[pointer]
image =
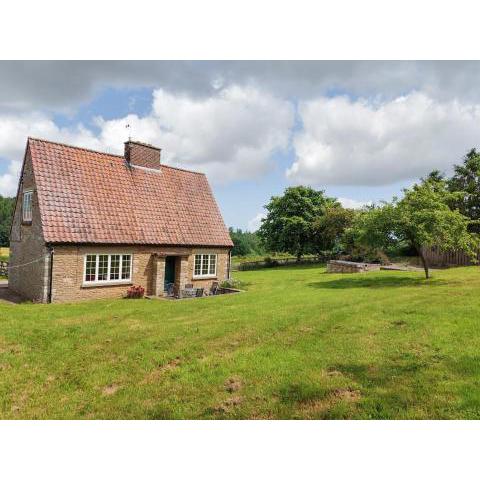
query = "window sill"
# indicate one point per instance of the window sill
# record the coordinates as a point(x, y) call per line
point(106, 284)
point(26, 222)
point(204, 277)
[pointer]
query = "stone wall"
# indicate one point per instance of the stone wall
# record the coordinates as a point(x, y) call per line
point(342, 266)
point(148, 269)
point(29, 257)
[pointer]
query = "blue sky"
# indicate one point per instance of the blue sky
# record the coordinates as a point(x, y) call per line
point(359, 130)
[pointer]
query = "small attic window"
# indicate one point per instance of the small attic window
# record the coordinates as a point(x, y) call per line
point(27, 206)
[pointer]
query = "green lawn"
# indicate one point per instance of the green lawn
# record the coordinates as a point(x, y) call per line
point(299, 344)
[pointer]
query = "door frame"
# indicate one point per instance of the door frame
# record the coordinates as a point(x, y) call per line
point(172, 260)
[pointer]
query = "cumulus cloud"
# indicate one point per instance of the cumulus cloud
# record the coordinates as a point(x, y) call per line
point(230, 135)
point(351, 203)
point(9, 180)
point(63, 85)
point(346, 142)
point(14, 130)
point(254, 223)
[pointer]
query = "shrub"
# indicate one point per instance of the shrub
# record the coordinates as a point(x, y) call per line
point(232, 284)
point(135, 292)
point(270, 262)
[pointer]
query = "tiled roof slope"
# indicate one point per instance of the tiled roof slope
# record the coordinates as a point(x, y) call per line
point(92, 197)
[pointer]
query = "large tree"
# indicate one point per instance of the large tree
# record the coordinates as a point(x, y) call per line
point(423, 218)
point(466, 181)
point(288, 226)
point(329, 227)
point(6, 211)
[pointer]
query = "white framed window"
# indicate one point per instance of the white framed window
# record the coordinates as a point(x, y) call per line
point(205, 265)
point(100, 268)
point(27, 206)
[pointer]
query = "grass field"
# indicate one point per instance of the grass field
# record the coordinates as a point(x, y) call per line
point(299, 343)
point(4, 253)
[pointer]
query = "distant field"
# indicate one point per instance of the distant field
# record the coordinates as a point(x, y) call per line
point(299, 343)
point(257, 258)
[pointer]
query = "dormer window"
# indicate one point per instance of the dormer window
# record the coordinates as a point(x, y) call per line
point(27, 206)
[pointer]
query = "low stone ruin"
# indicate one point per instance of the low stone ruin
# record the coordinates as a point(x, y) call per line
point(343, 266)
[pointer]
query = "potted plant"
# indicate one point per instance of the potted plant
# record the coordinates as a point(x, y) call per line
point(135, 291)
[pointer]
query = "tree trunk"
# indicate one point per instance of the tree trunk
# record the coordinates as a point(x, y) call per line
point(424, 261)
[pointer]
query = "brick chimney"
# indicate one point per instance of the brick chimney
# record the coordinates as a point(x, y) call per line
point(142, 154)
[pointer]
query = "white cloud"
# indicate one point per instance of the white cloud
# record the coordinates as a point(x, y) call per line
point(9, 180)
point(350, 203)
point(361, 142)
point(230, 136)
point(63, 85)
point(254, 224)
point(14, 130)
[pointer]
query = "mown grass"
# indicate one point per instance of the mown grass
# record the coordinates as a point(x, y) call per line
point(299, 343)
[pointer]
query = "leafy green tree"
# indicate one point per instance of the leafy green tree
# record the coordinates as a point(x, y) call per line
point(436, 179)
point(288, 226)
point(466, 179)
point(7, 205)
point(245, 243)
point(330, 226)
point(422, 218)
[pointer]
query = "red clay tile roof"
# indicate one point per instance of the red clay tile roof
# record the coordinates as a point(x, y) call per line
point(91, 197)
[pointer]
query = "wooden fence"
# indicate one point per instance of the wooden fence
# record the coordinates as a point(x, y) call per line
point(439, 258)
point(3, 268)
point(278, 262)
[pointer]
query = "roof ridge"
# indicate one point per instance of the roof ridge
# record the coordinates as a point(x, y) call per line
point(74, 146)
point(163, 165)
point(110, 154)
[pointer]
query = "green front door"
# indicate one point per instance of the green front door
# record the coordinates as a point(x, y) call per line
point(169, 271)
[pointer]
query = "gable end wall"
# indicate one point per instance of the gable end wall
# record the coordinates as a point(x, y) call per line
point(27, 246)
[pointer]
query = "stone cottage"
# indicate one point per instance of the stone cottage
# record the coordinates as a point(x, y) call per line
point(89, 224)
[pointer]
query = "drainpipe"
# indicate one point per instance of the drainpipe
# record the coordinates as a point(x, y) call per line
point(229, 268)
point(50, 275)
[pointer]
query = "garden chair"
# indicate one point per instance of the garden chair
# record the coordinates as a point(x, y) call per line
point(214, 288)
point(199, 292)
point(189, 291)
point(170, 289)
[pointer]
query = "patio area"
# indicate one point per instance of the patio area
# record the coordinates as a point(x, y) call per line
point(190, 292)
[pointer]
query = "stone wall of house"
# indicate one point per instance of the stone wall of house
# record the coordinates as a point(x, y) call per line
point(222, 267)
point(147, 270)
point(29, 257)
